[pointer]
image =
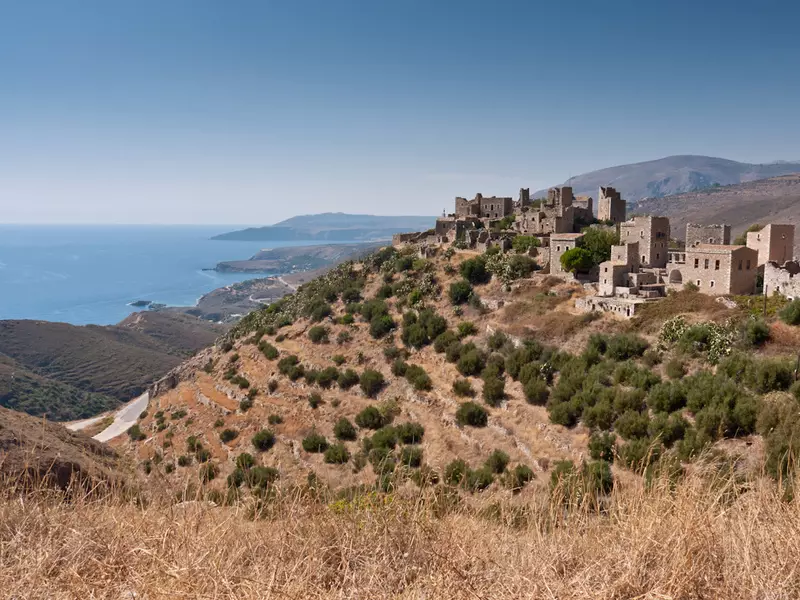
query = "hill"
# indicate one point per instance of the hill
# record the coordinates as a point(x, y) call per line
point(774, 200)
point(70, 372)
point(673, 175)
point(296, 258)
point(332, 227)
point(34, 451)
point(387, 371)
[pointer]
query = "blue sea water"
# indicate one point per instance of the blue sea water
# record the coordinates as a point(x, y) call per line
point(89, 274)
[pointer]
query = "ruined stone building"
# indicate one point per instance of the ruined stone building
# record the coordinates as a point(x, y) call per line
point(707, 234)
point(782, 279)
point(558, 213)
point(484, 208)
point(773, 243)
point(652, 233)
point(611, 206)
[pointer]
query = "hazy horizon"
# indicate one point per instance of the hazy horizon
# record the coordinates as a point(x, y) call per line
point(195, 112)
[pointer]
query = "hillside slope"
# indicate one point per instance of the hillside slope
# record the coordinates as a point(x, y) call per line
point(71, 372)
point(775, 200)
point(673, 175)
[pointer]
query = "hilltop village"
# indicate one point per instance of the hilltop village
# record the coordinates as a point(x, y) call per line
point(644, 264)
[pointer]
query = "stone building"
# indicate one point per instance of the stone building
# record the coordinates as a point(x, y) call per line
point(783, 280)
point(611, 206)
point(484, 208)
point(614, 273)
point(707, 234)
point(715, 269)
point(559, 244)
point(560, 212)
point(773, 243)
point(652, 233)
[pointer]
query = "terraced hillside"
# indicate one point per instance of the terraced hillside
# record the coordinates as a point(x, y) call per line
point(474, 371)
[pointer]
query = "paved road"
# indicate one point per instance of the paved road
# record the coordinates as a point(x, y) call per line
point(124, 419)
point(287, 284)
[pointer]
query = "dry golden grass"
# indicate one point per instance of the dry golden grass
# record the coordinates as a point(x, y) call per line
point(703, 539)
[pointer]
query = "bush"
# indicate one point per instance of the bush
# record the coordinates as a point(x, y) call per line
point(318, 334)
point(625, 346)
point(601, 446)
point(519, 476)
point(263, 440)
point(347, 379)
point(471, 363)
point(245, 461)
point(327, 377)
point(632, 425)
point(494, 390)
point(314, 400)
point(208, 472)
point(228, 435)
point(370, 418)
point(460, 292)
point(337, 454)
point(418, 378)
point(497, 461)
point(380, 326)
point(136, 433)
point(343, 337)
point(411, 457)
point(444, 341)
point(246, 404)
point(667, 429)
point(314, 442)
point(338, 360)
point(790, 314)
point(756, 332)
point(410, 433)
point(275, 419)
point(272, 385)
point(372, 382)
point(463, 388)
point(385, 437)
point(455, 472)
point(184, 461)
point(675, 369)
point(260, 477)
point(536, 392)
point(666, 397)
point(466, 329)
point(344, 430)
point(474, 271)
point(472, 414)
point(576, 260)
point(268, 350)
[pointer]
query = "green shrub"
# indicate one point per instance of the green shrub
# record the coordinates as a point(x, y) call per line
point(318, 334)
point(411, 457)
point(455, 472)
point(372, 382)
point(463, 388)
point(494, 390)
point(263, 440)
point(338, 360)
point(228, 435)
point(576, 260)
point(632, 425)
point(184, 461)
point(245, 405)
point(260, 477)
point(497, 461)
point(219, 423)
point(471, 363)
point(343, 337)
point(666, 397)
point(675, 369)
point(639, 454)
point(337, 454)
point(444, 340)
point(466, 329)
point(418, 378)
point(624, 346)
point(274, 419)
point(381, 325)
point(370, 418)
point(178, 414)
point(420, 329)
point(344, 430)
point(272, 386)
point(668, 429)
point(790, 314)
point(245, 461)
point(208, 472)
point(770, 375)
point(602, 445)
point(136, 434)
point(382, 460)
point(202, 455)
point(472, 414)
point(314, 442)
point(193, 443)
point(518, 477)
point(347, 379)
point(474, 271)
point(385, 437)
point(410, 433)
point(314, 400)
point(756, 332)
point(536, 392)
point(268, 350)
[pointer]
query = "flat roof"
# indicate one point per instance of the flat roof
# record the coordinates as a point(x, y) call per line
point(725, 247)
point(566, 236)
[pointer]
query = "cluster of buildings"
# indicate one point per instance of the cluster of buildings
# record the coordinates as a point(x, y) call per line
point(647, 262)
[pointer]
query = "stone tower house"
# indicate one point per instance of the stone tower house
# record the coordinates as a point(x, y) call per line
point(611, 206)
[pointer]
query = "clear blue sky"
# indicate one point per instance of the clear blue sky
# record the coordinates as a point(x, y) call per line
point(191, 111)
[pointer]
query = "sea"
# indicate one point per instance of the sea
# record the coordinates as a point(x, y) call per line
point(83, 274)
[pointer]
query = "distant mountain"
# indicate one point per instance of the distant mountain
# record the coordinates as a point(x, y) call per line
point(68, 372)
point(774, 200)
point(674, 175)
point(332, 227)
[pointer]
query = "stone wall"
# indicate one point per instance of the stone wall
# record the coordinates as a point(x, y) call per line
point(783, 280)
point(611, 206)
point(559, 244)
point(707, 234)
point(652, 233)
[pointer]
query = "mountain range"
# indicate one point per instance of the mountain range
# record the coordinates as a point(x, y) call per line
point(673, 175)
point(332, 227)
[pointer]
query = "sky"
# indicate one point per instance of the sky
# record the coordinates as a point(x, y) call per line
point(196, 111)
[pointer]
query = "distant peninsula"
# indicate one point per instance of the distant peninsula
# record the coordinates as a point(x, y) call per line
point(296, 259)
point(333, 227)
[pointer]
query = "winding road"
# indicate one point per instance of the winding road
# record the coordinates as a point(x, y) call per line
point(124, 419)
